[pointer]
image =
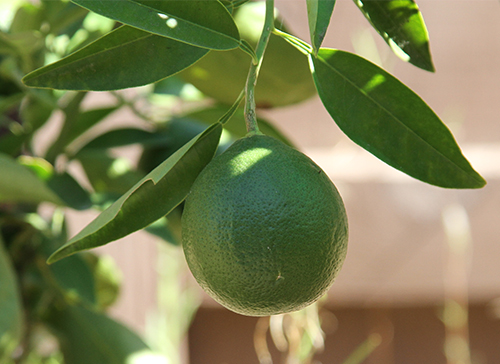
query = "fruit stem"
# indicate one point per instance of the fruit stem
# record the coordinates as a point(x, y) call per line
point(253, 73)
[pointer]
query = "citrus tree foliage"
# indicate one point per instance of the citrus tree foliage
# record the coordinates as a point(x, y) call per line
point(173, 47)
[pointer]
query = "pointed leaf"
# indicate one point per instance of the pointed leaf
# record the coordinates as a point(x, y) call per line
point(389, 120)
point(402, 26)
point(19, 184)
point(91, 337)
point(205, 23)
point(11, 325)
point(319, 13)
point(125, 57)
point(151, 198)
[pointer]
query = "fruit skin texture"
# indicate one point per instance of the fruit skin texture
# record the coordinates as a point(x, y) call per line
point(264, 230)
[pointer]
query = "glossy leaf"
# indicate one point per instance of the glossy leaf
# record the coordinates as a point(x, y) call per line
point(319, 13)
point(402, 26)
point(389, 120)
point(11, 325)
point(205, 23)
point(125, 57)
point(151, 198)
point(91, 337)
point(19, 184)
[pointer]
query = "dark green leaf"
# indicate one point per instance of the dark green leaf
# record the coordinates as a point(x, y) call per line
point(151, 198)
point(91, 337)
point(70, 191)
point(125, 57)
point(11, 325)
point(205, 23)
point(402, 26)
point(389, 120)
point(319, 13)
point(19, 184)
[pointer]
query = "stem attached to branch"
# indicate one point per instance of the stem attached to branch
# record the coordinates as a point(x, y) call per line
point(253, 73)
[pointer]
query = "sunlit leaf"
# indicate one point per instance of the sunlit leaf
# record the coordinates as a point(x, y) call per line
point(125, 57)
point(319, 13)
point(11, 325)
point(402, 26)
point(205, 23)
point(389, 120)
point(151, 198)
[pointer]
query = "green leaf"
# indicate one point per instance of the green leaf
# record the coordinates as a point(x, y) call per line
point(205, 23)
point(91, 337)
point(76, 278)
point(108, 175)
point(389, 120)
point(151, 198)
point(319, 13)
point(402, 26)
point(87, 120)
point(125, 57)
point(19, 184)
point(70, 191)
point(122, 137)
point(11, 323)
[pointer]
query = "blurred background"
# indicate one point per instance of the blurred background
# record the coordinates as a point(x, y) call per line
point(421, 282)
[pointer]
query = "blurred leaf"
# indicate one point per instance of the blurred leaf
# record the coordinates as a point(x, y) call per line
point(402, 26)
point(34, 113)
point(70, 191)
point(90, 337)
point(122, 137)
point(125, 57)
point(236, 125)
point(87, 120)
point(284, 77)
point(171, 137)
point(107, 277)
point(11, 325)
point(19, 184)
point(389, 120)
point(319, 13)
point(205, 23)
point(162, 229)
point(151, 198)
point(63, 17)
point(43, 169)
point(76, 278)
point(107, 174)
point(28, 17)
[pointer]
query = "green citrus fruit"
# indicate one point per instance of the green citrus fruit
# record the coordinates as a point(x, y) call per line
point(284, 77)
point(264, 230)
